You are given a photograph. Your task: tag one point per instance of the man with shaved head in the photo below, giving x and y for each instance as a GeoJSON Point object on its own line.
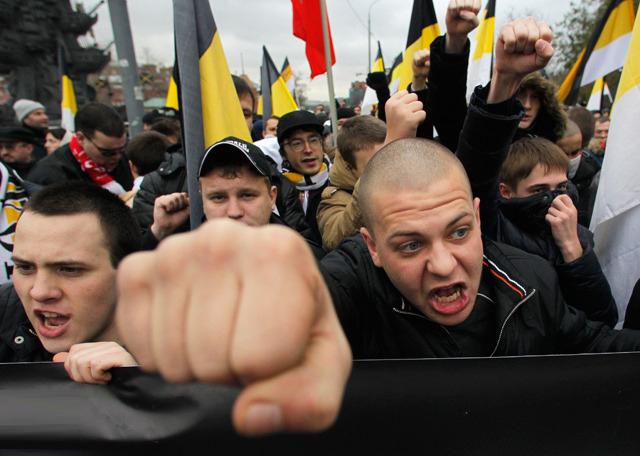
{"type": "Point", "coordinates": [420, 281]}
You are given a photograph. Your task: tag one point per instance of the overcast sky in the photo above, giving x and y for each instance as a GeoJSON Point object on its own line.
{"type": "Point", "coordinates": [246, 25]}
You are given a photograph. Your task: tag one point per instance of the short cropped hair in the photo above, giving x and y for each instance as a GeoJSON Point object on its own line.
{"type": "Point", "coordinates": [146, 151]}
{"type": "Point", "coordinates": [525, 154]}
{"type": "Point", "coordinates": [359, 133]}
{"type": "Point", "coordinates": [585, 120]}
{"type": "Point", "coordinates": [99, 117]}
{"type": "Point", "coordinates": [243, 88]}
{"type": "Point", "coordinates": [166, 126]}
{"type": "Point", "coordinates": [405, 163]}
{"type": "Point", "coordinates": [121, 231]}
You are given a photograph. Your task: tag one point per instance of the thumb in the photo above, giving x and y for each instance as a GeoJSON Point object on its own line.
{"type": "Point", "coordinates": [544, 52]}
{"type": "Point", "coordinates": [269, 406]}
{"type": "Point", "coordinates": [470, 16]}
{"type": "Point", "coordinates": [60, 357]}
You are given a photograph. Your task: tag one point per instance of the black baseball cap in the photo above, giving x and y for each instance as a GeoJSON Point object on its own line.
{"type": "Point", "coordinates": [253, 155]}
{"type": "Point", "coordinates": [16, 134]}
{"type": "Point", "coordinates": [295, 120]}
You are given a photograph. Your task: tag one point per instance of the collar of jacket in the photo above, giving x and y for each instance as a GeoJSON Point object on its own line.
{"type": "Point", "coordinates": [510, 290]}
{"type": "Point", "coordinates": [17, 333]}
{"type": "Point", "coordinates": [172, 162]}
{"type": "Point", "coordinates": [342, 175]}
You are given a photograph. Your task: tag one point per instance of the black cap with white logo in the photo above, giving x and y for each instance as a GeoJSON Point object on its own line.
{"type": "Point", "coordinates": [250, 152]}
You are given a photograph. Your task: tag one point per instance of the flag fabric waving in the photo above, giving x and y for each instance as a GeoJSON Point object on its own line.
{"type": "Point", "coordinates": [210, 106]}
{"type": "Point", "coordinates": [307, 25]}
{"type": "Point", "coordinates": [423, 29]}
{"type": "Point", "coordinates": [171, 100]}
{"type": "Point", "coordinates": [616, 213]}
{"type": "Point", "coordinates": [276, 97]}
{"type": "Point", "coordinates": [287, 75]}
{"type": "Point", "coordinates": [370, 98]}
{"type": "Point", "coordinates": [605, 51]}
{"type": "Point", "coordinates": [68, 103]}
{"type": "Point", "coordinates": [479, 72]}
{"type": "Point", "coordinates": [599, 91]}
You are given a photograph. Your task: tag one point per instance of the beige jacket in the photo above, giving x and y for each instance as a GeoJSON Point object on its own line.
{"type": "Point", "coordinates": [338, 213]}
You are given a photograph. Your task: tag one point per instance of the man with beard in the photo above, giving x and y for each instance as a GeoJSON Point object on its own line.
{"type": "Point", "coordinates": [95, 153]}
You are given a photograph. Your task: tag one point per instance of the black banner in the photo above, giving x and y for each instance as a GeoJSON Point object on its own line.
{"type": "Point", "coordinates": [586, 404]}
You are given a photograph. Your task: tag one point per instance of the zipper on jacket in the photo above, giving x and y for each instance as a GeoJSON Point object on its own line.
{"type": "Point", "coordinates": [506, 320]}
{"type": "Point", "coordinates": [413, 314]}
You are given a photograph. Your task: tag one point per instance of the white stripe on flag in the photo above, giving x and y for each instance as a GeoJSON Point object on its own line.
{"type": "Point", "coordinates": [68, 120]}
{"type": "Point", "coordinates": [616, 214]}
{"type": "Point", "coordinates": [606, 59]}
{"type": "Point", "coordinates": [479, 73]}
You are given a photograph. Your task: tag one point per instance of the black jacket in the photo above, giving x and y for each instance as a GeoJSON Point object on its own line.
{"type": "Point", "coordinates": [531, 315]}
{"type": "Point", "coordinates": [171, 177]}
{"type": "Point", "coordinates": [586, 181]}
{"type": "Point", "coordinates": [18, 340]}
{"type": "Point", "coordinates": [484, 143]}
{"type": "Point", "coordinates": [61, 166]}
{"type": "Point", "coordinates": [444, 99]}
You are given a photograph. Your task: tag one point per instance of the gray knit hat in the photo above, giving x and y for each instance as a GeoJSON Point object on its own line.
{"type": "Point", "coordinates": [24, 107]}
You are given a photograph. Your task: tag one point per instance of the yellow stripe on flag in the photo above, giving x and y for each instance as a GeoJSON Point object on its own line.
{"type": "Point", "coordinates": [68, 94]}
{"type": "Point", "coordinates": [172, 95]}
{"type": "Point", "coordinates": [567, 84]}
{"type": "Point", "coordinates": [221, 111]}
{"type": "Point", "coordinates": [282, 101]}
{"type": "Point", "coordinates": [404, 70]}
{"type": "Point", "coordinates": [485, 38]}
{"type": "Point", "coordinates": [620, 23]}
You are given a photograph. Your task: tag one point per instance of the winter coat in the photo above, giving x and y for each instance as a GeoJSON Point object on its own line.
{"type": "Point", "coordinates": [338, 213]}
{"type": "Point", "coordinates": [18, 341]}
{"type": "Point", "coordinates": [531, 316]}
{"type": "Point", "coordinates": [484, 143]}
{"type": "Point", "coordinates": [586, 180]}
{"type": "Point", "coordinates": [61, 166]}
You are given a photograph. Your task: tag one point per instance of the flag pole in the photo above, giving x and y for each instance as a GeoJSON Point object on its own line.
{"type": "Point", "coordinates": [327, 58]}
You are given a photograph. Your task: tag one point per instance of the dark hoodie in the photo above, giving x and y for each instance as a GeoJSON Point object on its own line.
{"type": "Point", "coordinates": [551, 120]}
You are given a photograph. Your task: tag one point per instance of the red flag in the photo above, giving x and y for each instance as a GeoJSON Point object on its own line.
{"type": "Point", "coordinates": [307, 25]}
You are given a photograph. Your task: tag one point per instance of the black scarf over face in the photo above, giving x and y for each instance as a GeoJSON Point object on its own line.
{"type": "Point", "coordinates": [529, 213]}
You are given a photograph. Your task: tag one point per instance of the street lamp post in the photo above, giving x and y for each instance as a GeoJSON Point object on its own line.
{"type": "Point", "coordinates": [369, 33]}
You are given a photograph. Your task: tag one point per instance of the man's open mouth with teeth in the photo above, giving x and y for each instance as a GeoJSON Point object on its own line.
{"type": "Point", "coordinates": [450, 299]}
{"type": "Point", "coordinates": [51, 324]}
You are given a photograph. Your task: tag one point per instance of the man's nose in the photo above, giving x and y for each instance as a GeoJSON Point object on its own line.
{"type": "Point", "coordinates": [234, 209]}
{"type": "Point", "coordinates": [44, 288]}
{"type": "Point", "coordinates": [441, 261]}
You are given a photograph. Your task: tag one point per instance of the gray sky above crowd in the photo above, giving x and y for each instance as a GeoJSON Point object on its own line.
{"type": "Point", "coordinates": [245, 25]}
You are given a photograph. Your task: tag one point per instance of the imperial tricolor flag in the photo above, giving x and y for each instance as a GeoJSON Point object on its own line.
{"type": "Point", "coordinates": [209, 104]}
{"type": "Point", "coordinates": [276, 97]}
{"type": "Point", "coordinates": [68, 104]}
{"type": "Point", "coordinates": [605, 51]}
{"type": "Point", "coordinates": [598, 93]}
{"type": "Point", "coordinates": [479, 72]}
{"type": "Point", "coordinates": [423, 29]}
{"type": "Point", "coordinates": [287, 75]}
{"type": "Point", "coordinates": [616, 213]}
{"type": "Point", "coordinates": [370, 98]}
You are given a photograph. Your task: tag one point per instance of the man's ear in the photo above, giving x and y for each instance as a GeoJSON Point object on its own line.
{"type": "Point", "coordinates": [476, 209]}
{"type": "Point", "coordinates": [273, 193]}
{"type": "Point", "coordinates": [505, 190]}
{"type": "Point", "coordinates": [371, 245]}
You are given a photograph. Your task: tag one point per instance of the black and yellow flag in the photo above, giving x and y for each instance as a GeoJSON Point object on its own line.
{"type": "Point", "coordinates": [276, 97]}
{"type": "Point", "coordinates": [68, 105]}
{"type": "Point", "coordinates": [479, 71]}
{"type": "Point", "coordinates": [423, 29]}
{"type": "Point", "coordinates": [171, 100]}
{"type": "Point", "coordinates": [287, 75]}
{"type": "Point", "coordinates": [209, 103]}
{"type": "Point", "coordinates": [605, 51]}
{"type": "Point", "coordinates": [378, 63]}
{"type": "Point", "coordinates": [394, 73]}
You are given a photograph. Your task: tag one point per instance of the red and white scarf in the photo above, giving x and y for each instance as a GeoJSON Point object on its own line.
{"type": "Point", "coordinates": [97, 173]}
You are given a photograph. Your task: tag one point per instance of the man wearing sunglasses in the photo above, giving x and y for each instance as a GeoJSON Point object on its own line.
{"type": "Point", "coordinates": [95, 153]}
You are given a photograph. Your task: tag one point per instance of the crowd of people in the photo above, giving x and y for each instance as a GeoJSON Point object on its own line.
{"type": "Point", "coordinates": [381, 242]}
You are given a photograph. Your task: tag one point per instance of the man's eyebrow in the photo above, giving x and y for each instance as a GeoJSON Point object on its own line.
{"type": "Point", "coordinates": [459, 217]}
{"type": "Point", "coordinates": [17, 259]}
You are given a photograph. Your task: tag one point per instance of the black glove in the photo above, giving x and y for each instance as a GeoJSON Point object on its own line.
{"type": "Point", "coordinates": [377, 81]}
